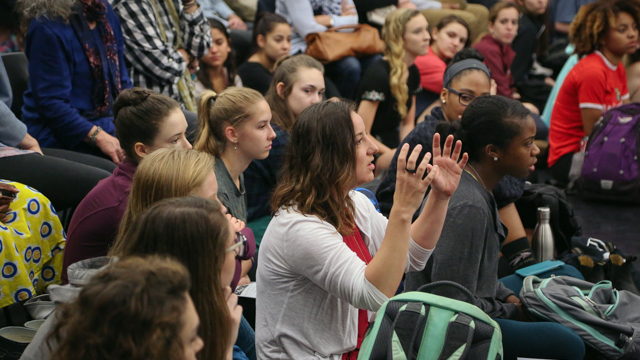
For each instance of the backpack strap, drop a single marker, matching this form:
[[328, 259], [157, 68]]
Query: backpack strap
[[458, 338], [408, 329]]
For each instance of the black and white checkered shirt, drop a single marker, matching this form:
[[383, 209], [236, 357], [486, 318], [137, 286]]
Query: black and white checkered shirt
[[152, 63]]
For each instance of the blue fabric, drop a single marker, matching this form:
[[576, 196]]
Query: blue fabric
[[238, 354], [539, 340], [514, 282], [567, 9], [548, 108], [246, 342], [61, 86]]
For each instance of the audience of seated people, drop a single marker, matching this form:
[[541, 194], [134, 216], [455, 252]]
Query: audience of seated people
[[297, 83], [217, 68], [387, 91], [597, 83], [239, 118], [145, 121], [328, 257], [448, 36], [271, 42], [76, 71]]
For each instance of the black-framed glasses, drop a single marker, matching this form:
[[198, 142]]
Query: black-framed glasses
[[464, 99], [239, 246]]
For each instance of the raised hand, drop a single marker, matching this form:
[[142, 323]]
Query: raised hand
[[447, 180], [410, 185]]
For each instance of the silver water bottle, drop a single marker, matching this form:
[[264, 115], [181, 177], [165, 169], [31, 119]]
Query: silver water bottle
[[542, 243]]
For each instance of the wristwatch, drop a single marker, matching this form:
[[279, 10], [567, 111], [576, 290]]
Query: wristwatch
[[94, 134], [331, 22]]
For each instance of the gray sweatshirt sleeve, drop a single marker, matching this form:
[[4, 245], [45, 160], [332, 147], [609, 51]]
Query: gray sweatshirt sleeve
[[12, 130], [6, 95]]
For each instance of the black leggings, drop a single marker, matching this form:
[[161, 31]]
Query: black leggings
[[63, 176], [560, 170]]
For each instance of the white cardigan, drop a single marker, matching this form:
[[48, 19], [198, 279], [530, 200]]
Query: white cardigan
[[311, 285]]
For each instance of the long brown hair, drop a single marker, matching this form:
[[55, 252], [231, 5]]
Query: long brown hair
[[132, 310], [233, 107], [165, 173], [319, 167], [287, 73], [392, 33], [195, 232], [230, 64]]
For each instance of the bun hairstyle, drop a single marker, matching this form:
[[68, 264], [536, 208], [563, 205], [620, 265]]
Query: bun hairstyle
[[138, 115], [453, 72], [286, 72], [232, 107], [487, 120], [265, 22]]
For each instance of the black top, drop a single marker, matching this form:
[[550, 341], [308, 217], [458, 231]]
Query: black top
[[525, 45], [374, 86], [255, 76]]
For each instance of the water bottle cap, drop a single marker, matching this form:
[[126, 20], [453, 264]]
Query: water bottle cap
[[544, 213]]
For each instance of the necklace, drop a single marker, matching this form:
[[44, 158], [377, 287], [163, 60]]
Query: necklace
[[476, 171]]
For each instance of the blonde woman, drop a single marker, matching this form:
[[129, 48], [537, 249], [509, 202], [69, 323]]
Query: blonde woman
[[235, 127], [387, 91]]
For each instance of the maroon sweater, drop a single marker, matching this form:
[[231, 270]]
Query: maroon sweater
[[95, 222], [498, 58]]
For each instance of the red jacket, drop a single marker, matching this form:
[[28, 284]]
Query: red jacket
[[498, 58]]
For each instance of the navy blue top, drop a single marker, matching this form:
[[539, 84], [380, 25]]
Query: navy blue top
[[61, 84]]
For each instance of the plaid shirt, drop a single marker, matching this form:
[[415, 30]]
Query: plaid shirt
[[154, 64]]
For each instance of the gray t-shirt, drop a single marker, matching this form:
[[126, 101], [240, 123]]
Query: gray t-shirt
[[233, 198]]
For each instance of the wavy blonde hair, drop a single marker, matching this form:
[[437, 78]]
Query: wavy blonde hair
[[166, 173], [232, 107], [49, 9], [392, 33]]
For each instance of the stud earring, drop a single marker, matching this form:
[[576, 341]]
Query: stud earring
[[495, 158], [444, 101], [235, 146]]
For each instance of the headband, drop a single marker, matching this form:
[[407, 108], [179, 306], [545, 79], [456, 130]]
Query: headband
[[460, 66]]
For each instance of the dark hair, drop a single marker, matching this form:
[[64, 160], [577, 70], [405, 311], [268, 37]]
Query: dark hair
[[594, 20], [229, 64], [454, 19], [194, 231], [264, 24], [489, 119], [498, 7], [138, 115], [132, 310], [464, 54], [319, 166]]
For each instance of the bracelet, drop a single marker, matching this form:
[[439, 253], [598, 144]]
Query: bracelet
[[94, 134]]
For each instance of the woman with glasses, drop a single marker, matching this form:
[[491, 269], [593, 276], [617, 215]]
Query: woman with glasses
[[387, 91], [465, 78]]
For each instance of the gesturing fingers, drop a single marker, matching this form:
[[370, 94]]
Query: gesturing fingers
[[447, 146], [412, 163], [437, 152], [402, 160]]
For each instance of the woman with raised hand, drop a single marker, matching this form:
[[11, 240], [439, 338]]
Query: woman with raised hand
[[271, 42], [149, 295], [297, 83], [328, 257], [597, 83], [498, 134], [145, 121], [235, 127], [386, 94]]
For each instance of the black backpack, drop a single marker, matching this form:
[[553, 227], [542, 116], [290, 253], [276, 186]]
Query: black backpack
[[564, 223]]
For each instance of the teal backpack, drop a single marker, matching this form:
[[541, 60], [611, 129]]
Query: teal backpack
[[422, 326]]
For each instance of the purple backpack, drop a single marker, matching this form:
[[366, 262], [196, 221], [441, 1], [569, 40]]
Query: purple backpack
[[611, 169]]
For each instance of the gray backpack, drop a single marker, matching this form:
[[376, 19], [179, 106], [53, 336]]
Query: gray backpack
[[606, 319]]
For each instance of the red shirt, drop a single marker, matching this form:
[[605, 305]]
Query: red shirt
[[498, 58], [594, 83], [431, 69]]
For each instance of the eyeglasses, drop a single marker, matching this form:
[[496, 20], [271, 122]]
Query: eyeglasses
[[239, 246], [464, 99]]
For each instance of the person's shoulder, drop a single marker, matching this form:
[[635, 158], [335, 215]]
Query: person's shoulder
[[251, 67]]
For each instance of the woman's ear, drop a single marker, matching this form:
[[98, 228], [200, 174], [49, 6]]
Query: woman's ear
[[261, 41], [231, 134], [493, 152], [141, 150], [280, 90], [443, 95], [434, 33], [490, 27]]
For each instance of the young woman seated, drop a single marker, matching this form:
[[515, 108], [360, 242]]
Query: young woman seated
[[149, 295], [466, 78], [387, 91], [498, 134], [235, 127], [328, 256], [145, 121], [271, 42], [448, 36], [297, 83], [597, 83], [217, 68]]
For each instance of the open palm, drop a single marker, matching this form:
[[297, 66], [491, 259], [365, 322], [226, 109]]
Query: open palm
[[448, 178]]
